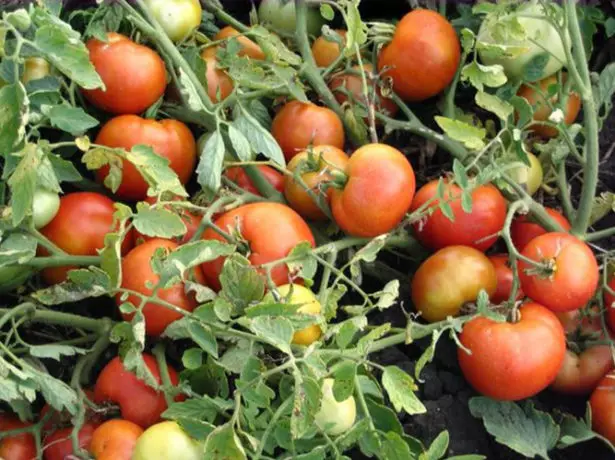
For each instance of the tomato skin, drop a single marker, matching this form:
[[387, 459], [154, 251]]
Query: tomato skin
[[449, 278], [218, 81], [609, 305], [325, 51], [238, 175], [504, 276], [377, 194], [115, 440], [271, 229], [542, 112], [134, 75], [20, 447], [428, 35], [190, 220], [167, 440], [45, 206], [529, 177], [335, 417], [294, 294], [473, 229], [300, 124], [79, 228], [602, 403], [510, 362], [13, 276], [327, 158], [170, 139], [139, 403], [522, 230], [59, 445], [137, 273], [580, 373], [248, 47], [575, 272], [178, 18]]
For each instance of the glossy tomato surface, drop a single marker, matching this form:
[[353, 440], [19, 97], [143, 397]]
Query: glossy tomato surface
[[504, 276], [513, 361], [523, 229], [326, 51], [178, 18], [238, 175], [248, 47], [219, 84], [115, 440], [20, 447], [45, 206], [602, 403], [59, 445], [581, 372]]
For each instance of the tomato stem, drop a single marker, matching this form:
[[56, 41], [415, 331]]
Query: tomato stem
[[61, 261], [36, 315]]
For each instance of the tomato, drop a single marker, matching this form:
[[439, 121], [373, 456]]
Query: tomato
[[529, 177], [115, 440], [62, 419], [134, 75], [139, 403], [79, 228], [478, 228], [219, 84], [167, 440], [137, 274], [450, 278], [170, 139], [248, 47], [316, 164], [280, 16], [59, 445], [602, 403], [512, 361], [335, 417], [581, 372], [540, 37], [190, 220], [423, 57], [572, 277], [352, 83], [504, 276], [542, 110], [378, 191], [45, 206], [585, 322], [609, 305], [523, 230], [13, 276], [238, 175], [35, 68], [271, 230], [300, 124], [326, 51], [294, 294], [178, 18], [19, 447]]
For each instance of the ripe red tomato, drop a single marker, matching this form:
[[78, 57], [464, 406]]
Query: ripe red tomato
[[59, 445], [218, 81], [512, 361], [523, 230], [79, 228], [139, 403], [326, 51], [504, 276], [300, 124], [572, 278], [609, 305], [271, 230], [137, 274], [248, 47], [478, 228], [423, 56], [238, 175], [377, 194], [581, 372], [133, 74], [190, 220], [115, 440], [602, 403], [317, 163], [20, 447], [170, 139]]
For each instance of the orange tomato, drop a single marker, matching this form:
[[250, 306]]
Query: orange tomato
[[326, 51], [219, 84], [115, 440]]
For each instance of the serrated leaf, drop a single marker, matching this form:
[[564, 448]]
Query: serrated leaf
[[428, 354], [574, 431], [400, 387], [211, 158], [384, 418], [13, 117], [81, 284], [348, 329], [523, 110], [260, 139], [203, 337], [394, 447], [303, 263], [241, 283], [271, 309], [17, 249], [73, 120], [344, 378], [470, 136], [602, 205], [55, 351], [388, 295], [23, 183], [364, 342], [224, 444], [158, 222], [240, 143], [306, 403], [480, 75], [494, 104], [534, 69], [438, 447], [276, 331]]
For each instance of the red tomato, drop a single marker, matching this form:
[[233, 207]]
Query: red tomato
[[513, 361], [134, 75], [238, 175], [20, 447], [377, 194], [59, 445], [190, 220], [585, 322], [423, 56], [79, 228], [248, 47], [581, 372], [137, 274], [62, 419], [300, 124], [326, 51], [609, 305], [271, 230], [170, 139], [602, 403], [139, 403], [218, 81], [572, 278], [115, 440], [523, 230], [478, 228], [505, 279]]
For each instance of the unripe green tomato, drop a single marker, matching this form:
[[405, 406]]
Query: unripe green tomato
[[529, 177], [13, 276], [164, 441], [281, 16], [45, 206], [335, 417], [35, 68], [178, 18]]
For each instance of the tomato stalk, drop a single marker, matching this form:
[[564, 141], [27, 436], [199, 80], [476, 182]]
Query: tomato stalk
[[61, 261], [36, 315]]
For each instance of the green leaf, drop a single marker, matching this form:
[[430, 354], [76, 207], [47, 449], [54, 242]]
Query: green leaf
[[192, 358], [460, 175], [19, 19], [240, 143], [471, 136], [81, 284], [224, 444], [55, 351], [438, 447], [602, 206], [609, 27], [366, 341], [23, 183], [480, 75], [494, 104], [394, 447], [241, 283], [428, 354], [13, 117], [260, 139], [276, 331], [574, 431], [348, 329], [155, 170], [73, 120], [524, 429], [400, 387], [326, 11], [65, 170], [254, 388], [603, 92], [534, 69], [190, 255], [159, 222], [304, 263], [17, 249], [235, 358], [384, 418], [306, 404], [344, 375], [203, 337], [271, 309], [388, 296], [57, 393], [523, 110], [209, 170]]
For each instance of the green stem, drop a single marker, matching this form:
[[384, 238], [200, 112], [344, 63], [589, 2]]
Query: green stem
[[36, 315], [600, 234], [62, 261], [159, 353], [564, 192], [363, 403], [451, 91], [272, 424]]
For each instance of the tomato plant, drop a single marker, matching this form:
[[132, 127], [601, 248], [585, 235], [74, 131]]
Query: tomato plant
[[335, 417], [18, 447], [59, 444], [178, 18], [219, 84], [238, 175], [504, 275], [11, 277], [602, 403], [190, 220], [166, 440], [248, 47], [296, 295], [523, 230], [326, 50], [115, 440]]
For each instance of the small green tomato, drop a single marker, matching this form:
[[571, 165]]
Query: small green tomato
[[335, 417], [45, 206]]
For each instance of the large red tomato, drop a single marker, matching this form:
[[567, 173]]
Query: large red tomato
[[170, 139], [59, 445], [300, 124], [20, 447], [512, 361], [115, 440], [505, 279], [79, 228], [478, 228], [137, 274], [133, 74], [581, 372], [271, 230], [523, 230], [378, 192], [423, 57], [238, 175], [572, 275], [602, 403], [190, 220], [139, 403]]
